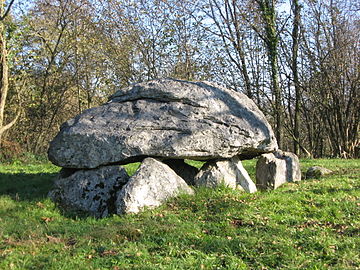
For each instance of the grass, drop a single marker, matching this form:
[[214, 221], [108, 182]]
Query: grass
[[314, 224]]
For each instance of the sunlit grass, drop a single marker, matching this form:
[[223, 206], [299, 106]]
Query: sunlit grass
[[313, 224]]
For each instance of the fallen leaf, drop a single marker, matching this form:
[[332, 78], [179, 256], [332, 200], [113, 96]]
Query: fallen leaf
[[47, 219], [40, 204], [53, 239], [109, 252]]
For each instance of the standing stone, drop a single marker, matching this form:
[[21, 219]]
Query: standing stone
[[275, 169], [242, 177], [317, 172], [165, 118], [292, 165], [216, 173], [90, 191], [230, 173], [152, 184]]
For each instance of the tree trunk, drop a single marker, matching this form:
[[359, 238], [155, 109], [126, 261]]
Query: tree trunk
[[273, 54], [4, 82], [4, 71], [271, 38], [294, 66], [239, 48]]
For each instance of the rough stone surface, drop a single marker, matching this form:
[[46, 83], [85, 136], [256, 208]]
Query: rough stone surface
[[215, 173], [152, 184], [242, 177], [166, 118], [275, 169], [225, 172], [184, 170], [317, 172], [89, 191], [293, 171]]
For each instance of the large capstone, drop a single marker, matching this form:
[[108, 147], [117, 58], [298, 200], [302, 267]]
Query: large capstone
[[165, 118]]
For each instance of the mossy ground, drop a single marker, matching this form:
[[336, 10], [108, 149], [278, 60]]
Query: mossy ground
[[314, 224]]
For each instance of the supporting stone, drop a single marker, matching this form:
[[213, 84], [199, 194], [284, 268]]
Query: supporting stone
[[92, 192], [275, 169], [230, 173], [152, 184]]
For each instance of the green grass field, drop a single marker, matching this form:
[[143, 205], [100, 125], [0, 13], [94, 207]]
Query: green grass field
[[314, 224]]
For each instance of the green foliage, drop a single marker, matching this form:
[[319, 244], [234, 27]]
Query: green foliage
[[132, 167], [310, 225]]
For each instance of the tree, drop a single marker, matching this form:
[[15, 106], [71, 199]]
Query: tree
[[294, 67], [227, 18], [270, 35], [163, 37], [236, 23], [75, 53], [332, 94], [4, 70], [64, 65]]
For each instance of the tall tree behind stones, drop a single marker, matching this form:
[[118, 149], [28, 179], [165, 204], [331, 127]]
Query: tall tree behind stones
[[269, 33], [66, 68], [165, 36], [187, 40], [230, 28], [51, 78], [4, 70], [331, 89], [294, 67], [117, 33], [290, 62]]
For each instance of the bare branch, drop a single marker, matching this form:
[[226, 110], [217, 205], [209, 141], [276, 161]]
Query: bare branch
[[6, 127], [7, 10]]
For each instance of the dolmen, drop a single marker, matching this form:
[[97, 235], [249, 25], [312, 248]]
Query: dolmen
[[160, 123]]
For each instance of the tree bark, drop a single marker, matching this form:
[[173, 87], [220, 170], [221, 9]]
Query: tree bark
[[294, 66], [4, 80], [271, 38]]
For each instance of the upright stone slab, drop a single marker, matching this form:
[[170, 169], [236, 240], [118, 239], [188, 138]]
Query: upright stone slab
[[216, 173], [275, 169], [152, 184], [89, 191], [165, 118], [230, 173], [293, 171], [242, 177]]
